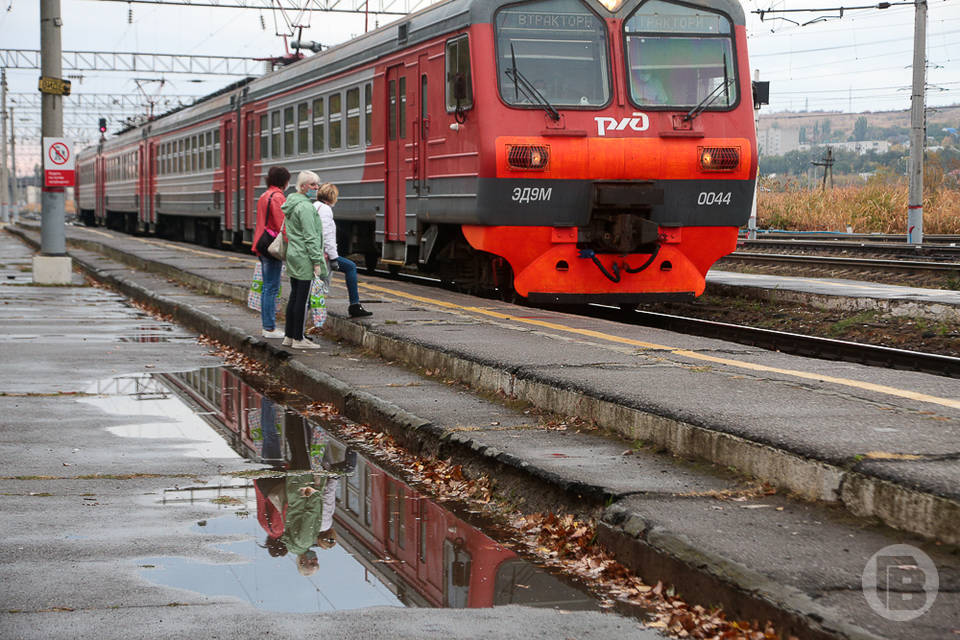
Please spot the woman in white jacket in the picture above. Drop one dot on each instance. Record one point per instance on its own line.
(327, 196)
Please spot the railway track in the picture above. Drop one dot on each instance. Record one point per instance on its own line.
(945, 268)
(785, 342)
(925, 252)
(928, 239)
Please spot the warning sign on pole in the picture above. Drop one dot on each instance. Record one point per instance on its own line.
(58, 163)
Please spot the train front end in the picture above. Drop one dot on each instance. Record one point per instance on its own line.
(624, 159)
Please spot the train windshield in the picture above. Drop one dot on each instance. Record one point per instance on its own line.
(552, 52)
(679, 56)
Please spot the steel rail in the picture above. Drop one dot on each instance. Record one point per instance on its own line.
(836, 261)
(854, 247)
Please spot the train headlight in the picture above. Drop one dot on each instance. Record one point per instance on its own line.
(528, 156)
(719, 158)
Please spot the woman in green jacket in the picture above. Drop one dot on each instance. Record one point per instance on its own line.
(304, 255)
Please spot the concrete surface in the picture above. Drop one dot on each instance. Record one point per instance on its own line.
(440, 417)
(81, 506)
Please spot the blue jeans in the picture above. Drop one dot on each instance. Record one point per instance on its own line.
(271, 450)
(349, 269)
(271, 285)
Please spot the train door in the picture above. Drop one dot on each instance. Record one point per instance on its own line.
(249, 179)
(141, 196)
(151, 186)
(226, 134)
(394, 245)
(422, 132)
(100, 211)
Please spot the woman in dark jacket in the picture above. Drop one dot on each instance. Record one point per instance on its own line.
(269, 222)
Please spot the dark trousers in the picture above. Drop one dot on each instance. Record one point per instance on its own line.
(297, 308)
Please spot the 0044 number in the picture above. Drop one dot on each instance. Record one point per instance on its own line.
(714, 197)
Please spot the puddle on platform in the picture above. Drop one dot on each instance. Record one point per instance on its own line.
(362, 537)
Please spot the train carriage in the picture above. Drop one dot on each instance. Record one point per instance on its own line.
(565, 150)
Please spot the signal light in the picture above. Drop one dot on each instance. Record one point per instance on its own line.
(103, 125)
(528, 156)
(719, 158)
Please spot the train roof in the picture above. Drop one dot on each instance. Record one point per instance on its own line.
(428, 23)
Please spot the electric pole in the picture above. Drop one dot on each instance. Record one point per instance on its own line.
(52, 266)
(4, 176)
(918, 128)
(15, 202)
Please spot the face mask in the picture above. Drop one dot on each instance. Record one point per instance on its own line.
(311, 193)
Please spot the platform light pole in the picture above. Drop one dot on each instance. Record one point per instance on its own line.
(4, 176)
(918, 128)
(15, 195)
(52, 266)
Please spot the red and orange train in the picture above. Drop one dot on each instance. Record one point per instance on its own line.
(565, 150)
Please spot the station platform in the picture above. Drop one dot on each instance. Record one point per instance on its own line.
(861, 457)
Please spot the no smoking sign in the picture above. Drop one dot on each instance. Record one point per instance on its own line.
(58, 163)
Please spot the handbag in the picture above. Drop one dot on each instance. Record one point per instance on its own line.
(278, 246)
(263, 242)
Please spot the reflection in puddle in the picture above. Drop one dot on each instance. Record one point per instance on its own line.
(332, 530)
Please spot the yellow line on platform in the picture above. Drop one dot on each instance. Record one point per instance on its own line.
(693, 355)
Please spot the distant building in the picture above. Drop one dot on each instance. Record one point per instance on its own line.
(863, 146)
(776, 141)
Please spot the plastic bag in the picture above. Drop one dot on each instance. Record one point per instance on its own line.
(255, 295)
(318, 301)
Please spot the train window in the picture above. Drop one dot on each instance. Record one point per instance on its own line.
(335, 102)
(209, 149)
(202, 153)
(458, 72)
(402, 91)
(194, 152)
(216, 148)
(552, 52)
(264, 138)
(319, 117)
(303, 127)
(353, 117)
(180, 155)
(275, 134)
(368, 111)
(680, 56)
(288, 126)
(392, 116)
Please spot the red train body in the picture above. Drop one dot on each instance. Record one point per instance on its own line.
(552, 147)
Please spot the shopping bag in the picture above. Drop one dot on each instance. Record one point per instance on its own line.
(318, 301)
(255, 295)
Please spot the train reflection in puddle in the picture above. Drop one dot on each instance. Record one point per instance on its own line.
(403, 548)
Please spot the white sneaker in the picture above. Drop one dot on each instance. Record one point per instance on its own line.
(305, 344)
(276, 333)
(287, 341)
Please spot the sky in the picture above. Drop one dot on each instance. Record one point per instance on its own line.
(860, 62)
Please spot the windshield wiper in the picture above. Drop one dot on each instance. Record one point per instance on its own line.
(712, 96)
(530, 92)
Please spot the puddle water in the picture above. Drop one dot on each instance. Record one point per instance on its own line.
(332, 530)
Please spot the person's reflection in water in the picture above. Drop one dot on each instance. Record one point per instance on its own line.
(271, 501)
(311, 495)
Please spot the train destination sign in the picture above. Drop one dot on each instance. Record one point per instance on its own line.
(54, 86)
(532, 20)
(689, 23)
(58, 163)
